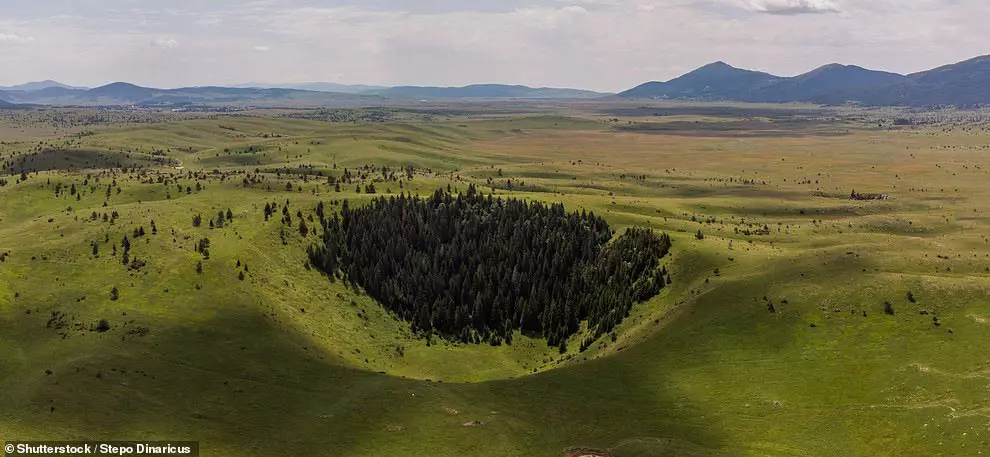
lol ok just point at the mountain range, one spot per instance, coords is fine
(315, 86)
(39, 85)
(962, 84)
(319, 94)
(125, 94)
(486, 91)
(965, 83)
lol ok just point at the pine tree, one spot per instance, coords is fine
(477, 268)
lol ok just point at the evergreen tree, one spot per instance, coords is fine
(477, 268)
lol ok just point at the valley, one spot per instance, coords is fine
(798, 320)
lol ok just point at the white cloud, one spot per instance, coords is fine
(166, 43)
(790, 7)
(15, 38)
(594, 44)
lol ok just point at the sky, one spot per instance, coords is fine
(606, 45)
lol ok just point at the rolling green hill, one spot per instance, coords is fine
(799, 322)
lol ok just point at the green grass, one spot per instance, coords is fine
(288, 362)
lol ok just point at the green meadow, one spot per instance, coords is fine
(876, 344)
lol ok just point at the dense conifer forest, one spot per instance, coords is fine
(475, 268)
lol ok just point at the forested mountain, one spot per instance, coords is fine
(961, 84)
(715, 81)
(827, 83)
(120, 91)
(477, 268)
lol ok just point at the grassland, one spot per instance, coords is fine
(286, 362)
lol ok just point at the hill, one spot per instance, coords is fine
(963, 84)
(856, 334)
(121, 93)
(315, 86)
(39, 85)
(486, 91)
(715, 81)
(826, 83)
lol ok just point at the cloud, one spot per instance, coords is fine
(15, 38)
(596, 44)
(790, 7)
(165, 43)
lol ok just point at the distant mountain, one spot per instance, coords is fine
(120, 92)
(965, 83)
(831, 83)
(485, 91)
(39, 85)
(234, 96)
(318, 87)
(47, 96)
(715, 81)
(962, 84)
(8, 105)
(123, 94)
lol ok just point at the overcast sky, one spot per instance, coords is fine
(606, 45)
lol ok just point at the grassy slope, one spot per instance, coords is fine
(703, 369)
